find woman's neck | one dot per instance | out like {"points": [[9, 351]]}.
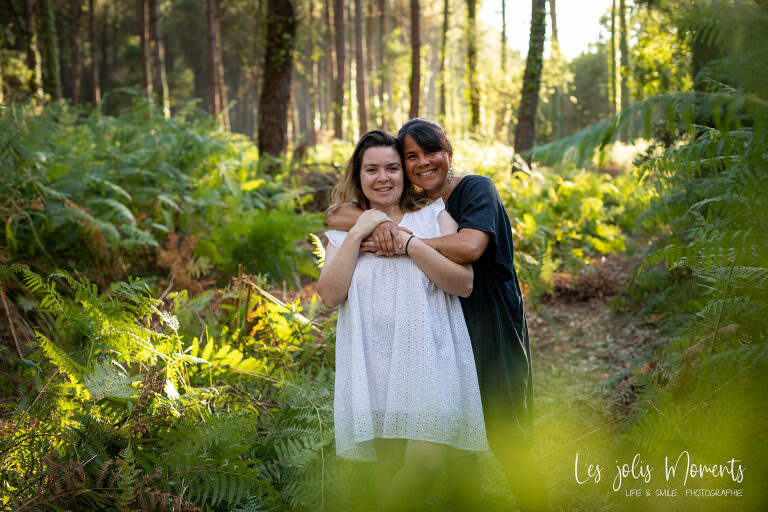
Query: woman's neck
{"points": [[445, 191], [394, 211]]}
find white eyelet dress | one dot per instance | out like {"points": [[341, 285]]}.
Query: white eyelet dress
{"points": [[404, 362]]}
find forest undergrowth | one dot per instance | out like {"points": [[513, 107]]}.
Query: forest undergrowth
{"points": [[163, 348]]}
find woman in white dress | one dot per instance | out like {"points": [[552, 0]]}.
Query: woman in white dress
{"points": [[406, 392]]}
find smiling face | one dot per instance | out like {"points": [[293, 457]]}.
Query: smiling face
{"points": [[426, 169], [381, 177]]}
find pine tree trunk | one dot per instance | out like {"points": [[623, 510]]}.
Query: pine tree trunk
{"points": [[553, 19], [502, 112], [95, 81], [474, 90], [624, 48], [161, 82], [441, 114], [214, 97], [525, 133], [381, 43], [107, 43], [142, 7], [276, 88], [50, 50], [74, 51], [559, 99], [362, 101], [349, 45], [312, 89], [338, 96], [613, 58], [221, 85], [415, 59], [504, 37], [33, 51], [330, 89], [210, 32], [370, 59]]}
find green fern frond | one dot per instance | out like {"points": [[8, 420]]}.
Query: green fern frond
{"points": [[319, 250], [60, 358], [107, 381]]}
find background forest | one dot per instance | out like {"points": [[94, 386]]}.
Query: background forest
{"points": [[164, 166]]}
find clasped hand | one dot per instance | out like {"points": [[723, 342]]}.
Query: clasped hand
{"points": [[381, 236]]}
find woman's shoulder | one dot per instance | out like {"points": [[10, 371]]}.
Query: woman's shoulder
{"points": [[473, 187], [336, 236], [476, 182]]}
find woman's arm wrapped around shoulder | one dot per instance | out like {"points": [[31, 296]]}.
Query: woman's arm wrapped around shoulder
{"points": [[453, 278]]}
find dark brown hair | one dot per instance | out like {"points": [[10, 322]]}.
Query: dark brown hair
{"points": [[349, 188], [427, 134]]}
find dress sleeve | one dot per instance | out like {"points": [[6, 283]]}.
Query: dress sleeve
{"points": [[482, 209], [336, 237]]}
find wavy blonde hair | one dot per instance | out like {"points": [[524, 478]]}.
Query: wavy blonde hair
{"points": [[349, 188]]}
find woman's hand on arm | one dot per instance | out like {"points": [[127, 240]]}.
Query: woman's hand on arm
{"points": [[382, 240], [336, 276], [448, 276]]}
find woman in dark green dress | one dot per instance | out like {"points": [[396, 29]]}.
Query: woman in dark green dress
{"points": [[494, 312]]}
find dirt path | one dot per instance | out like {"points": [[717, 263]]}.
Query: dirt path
{"points": [[586, 357]]}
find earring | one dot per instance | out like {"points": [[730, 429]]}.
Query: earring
{"points": [[450, 174]]}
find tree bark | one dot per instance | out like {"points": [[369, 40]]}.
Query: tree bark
{"points": [[501, 114], [525, 133], [95, 79], [312, 89], [214, 107], [107, 43], [50, 47], [441, 113], [415, 59], [349, 45], [474, 90], [504, 37], [362, 101], [33, 51], [559, 99], [330, 87], [221, 85], [276, 89], [613, 58], [381, 44], [161, 82], [553, 20], [338, 97], [370, 58], [74, 50], [624, 48], [216, 93], [324, 88], [142, 7]]}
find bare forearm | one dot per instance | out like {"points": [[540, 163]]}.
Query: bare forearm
{"points": [[342, 217], [448, 276], [456, 247], [336, 276]]}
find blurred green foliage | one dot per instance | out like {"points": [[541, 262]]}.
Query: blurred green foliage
{"points": [[88, 191]]}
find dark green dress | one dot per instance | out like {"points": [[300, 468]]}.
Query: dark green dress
{"points": [[494, 313]]}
